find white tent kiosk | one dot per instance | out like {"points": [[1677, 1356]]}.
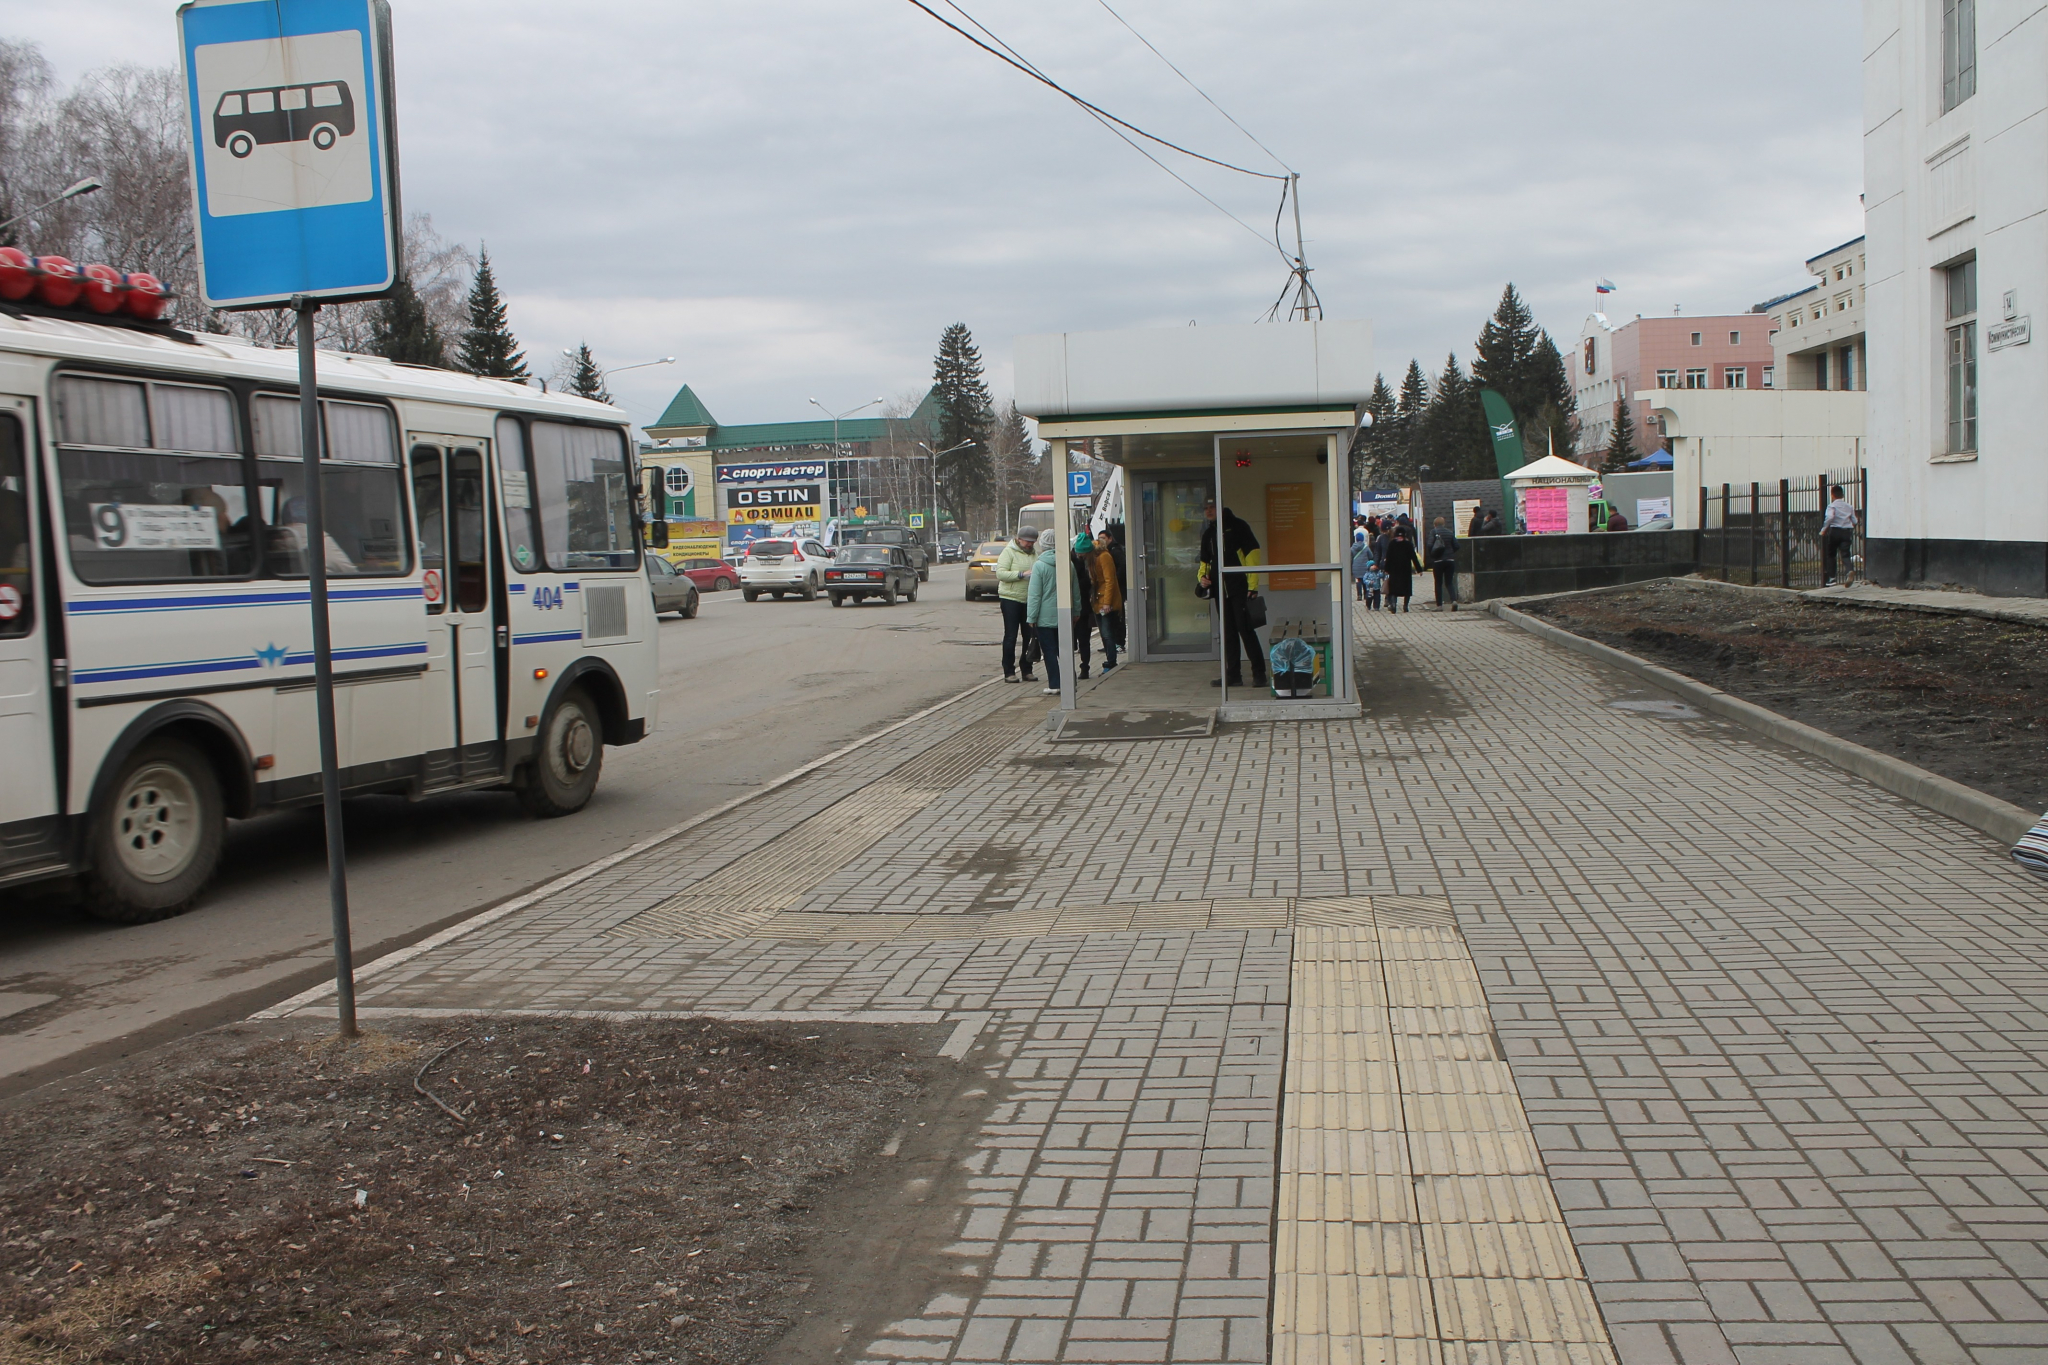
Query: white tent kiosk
{"points": [[1259, 418], [1552, 494]]}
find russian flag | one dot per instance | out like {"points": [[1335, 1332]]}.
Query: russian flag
{"points": [[1603, 286]]}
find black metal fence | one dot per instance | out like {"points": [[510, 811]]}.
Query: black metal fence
{"points": [[1769, 533]]}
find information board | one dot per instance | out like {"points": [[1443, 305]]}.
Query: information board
{"points": [[1290, 533], [1547, 510]]}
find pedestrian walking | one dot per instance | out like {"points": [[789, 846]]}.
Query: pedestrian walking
{"points": [[1042, 612], [1240, 637], [1443, 563], [1084, 600], [1361, 562], [1013, 586], [1837, 534], [1109, 599], [1399, 564]]}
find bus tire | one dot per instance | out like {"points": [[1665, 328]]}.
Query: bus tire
{"points": [[324, 136], [564, 773], [240, 145], [155, 840]]}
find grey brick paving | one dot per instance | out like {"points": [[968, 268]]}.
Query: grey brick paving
{"points": [[1780, 1034]]}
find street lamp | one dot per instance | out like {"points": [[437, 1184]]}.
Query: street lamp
{"points": [[621, 369], [85, 186], [836, 416], [933, 456]]}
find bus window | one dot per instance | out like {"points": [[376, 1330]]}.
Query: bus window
{"points": [[230, 106], [17, 601], [294, 98], [426, 501], [326, 96], [515, 481], [580, 487], [262, 101], [466, 514], [360, 481], [151, 503]]}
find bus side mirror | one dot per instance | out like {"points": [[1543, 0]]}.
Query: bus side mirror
{"points": [[657, 533]]}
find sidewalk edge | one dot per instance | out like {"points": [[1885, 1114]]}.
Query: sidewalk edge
{"points": [[567, 879], [2001, 820]]}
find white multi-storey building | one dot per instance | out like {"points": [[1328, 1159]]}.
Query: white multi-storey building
{"points": [[1955, 165], [1817, 334]]}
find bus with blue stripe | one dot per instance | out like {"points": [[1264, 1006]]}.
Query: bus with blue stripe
{"points": [[484, 544]]}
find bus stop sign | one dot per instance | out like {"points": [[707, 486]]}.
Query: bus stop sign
{"points": [[294, 159]]}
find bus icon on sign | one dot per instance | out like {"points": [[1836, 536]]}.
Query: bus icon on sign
{"points": [[321, 113]]}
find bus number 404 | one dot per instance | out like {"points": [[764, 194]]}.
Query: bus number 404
{"points": [[547, 599]]}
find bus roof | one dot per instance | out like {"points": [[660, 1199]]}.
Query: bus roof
{"points": [[211, 355]]}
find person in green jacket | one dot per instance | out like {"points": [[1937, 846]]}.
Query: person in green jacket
{"points": [[1041, 609], [1013, 585]]}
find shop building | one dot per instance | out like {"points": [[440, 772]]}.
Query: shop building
{"points": [[1255, 419], [1729, 351]]}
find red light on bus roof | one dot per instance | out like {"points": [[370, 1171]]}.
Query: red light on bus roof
{"points": [[57, 281], [15, 280], [102, 287], [145, 298]]}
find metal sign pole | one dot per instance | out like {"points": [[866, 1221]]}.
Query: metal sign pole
{"points": [[323, 672]]}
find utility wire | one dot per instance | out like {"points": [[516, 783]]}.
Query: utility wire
{"points": [[1196, 88], [1032, 71]]}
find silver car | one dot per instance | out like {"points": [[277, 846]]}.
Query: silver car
{"points": [[672, 591]]}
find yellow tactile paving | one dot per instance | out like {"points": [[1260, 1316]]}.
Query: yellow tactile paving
{"points": [[1415, 1222]]}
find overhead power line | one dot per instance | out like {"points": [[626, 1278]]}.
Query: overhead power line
{"points": [[1196, 88]]}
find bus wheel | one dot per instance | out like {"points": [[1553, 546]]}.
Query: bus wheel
{"points": [[240, 145], [563, 774], [323, 136], [156, 839]]}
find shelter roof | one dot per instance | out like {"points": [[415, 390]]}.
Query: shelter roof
{"points": [[1552, 467]]}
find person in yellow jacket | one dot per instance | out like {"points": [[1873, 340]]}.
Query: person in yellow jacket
{"points": [[1109, 599], [1013, 586]]}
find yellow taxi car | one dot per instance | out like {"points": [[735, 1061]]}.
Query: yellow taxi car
{"points": [[981, 569]]}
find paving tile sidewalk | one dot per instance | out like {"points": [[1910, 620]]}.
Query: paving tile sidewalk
{"points": [[1777, 1034]]}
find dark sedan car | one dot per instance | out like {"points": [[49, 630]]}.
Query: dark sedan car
{"points": [[860, 571], [672, 591]]}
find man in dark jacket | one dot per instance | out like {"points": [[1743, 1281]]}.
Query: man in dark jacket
{"points": [[1238, 541], [1442, 555]]}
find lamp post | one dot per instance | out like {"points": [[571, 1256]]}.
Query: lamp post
{"points": [[933, 456], [836, 416], [85, 186]]}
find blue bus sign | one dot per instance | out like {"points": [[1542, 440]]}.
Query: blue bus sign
{"points": [[1080, 483], [294, 162]]}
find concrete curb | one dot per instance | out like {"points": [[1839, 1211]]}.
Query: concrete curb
{"points": [[2001, 820], [570, 878]]}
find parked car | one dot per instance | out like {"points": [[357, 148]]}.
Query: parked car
{"points": [[859, 572], [905, 539], [784, 566], [981, 569], [672, 591], [712, 575], [952, 547]]}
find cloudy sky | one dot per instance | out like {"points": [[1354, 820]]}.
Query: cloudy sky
{"points": [[794, 197]]}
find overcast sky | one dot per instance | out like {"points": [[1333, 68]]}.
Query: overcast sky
{"points": [[794, 197]]}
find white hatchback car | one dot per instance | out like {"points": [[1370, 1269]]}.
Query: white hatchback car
{"points": [[784, 566]]}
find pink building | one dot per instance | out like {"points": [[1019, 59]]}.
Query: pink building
{"points": [[1730, 352]]}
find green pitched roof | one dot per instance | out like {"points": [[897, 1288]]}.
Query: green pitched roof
{"points": [[685, 410]]}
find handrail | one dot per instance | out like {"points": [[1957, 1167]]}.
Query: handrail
{"points": [[1285, 568]]}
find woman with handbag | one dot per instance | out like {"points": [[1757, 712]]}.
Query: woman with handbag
{"points": [[1240, 606], [1400, 564]]}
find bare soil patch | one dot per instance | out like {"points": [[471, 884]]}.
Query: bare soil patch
{"points": [[1962, 696], [676, 1190]]}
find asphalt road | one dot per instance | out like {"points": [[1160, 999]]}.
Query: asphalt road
{"points": [[749, 691]]}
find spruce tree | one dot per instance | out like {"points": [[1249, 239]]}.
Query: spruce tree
{"points": [[1621, 445], [488, 347], [1396, 459], [1455, 442], [1381, 407], [1557, 405], [401, 329], [966, 416], [1505, 358], [585, 379]]}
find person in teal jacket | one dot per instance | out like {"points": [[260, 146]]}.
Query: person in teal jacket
{"points": [[1041, 609]]}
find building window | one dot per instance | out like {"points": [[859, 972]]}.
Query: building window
{"points": [[1770, 377], [1820, 309], [1820, 370], [1962, 357], [1695, 338], [1735, 377], [1792, 321], [1842, 303], [1667, 379], [1696, 379], [1848, 369], [1958, 53], [1735, 338]]}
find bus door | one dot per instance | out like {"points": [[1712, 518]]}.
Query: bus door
{"points": [[29, 818], [459, 729]]}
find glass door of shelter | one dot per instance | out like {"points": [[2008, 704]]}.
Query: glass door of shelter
{"points": [[1178, 623]]}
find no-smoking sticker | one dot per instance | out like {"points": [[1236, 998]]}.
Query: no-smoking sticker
{"points": [[10, 601], [430, 585]]}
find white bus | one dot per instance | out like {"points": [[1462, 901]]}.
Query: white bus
{"points": [[492, 621]]}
